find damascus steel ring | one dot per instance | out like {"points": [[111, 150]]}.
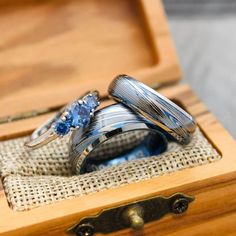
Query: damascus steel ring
{"points": [[73, 116], [107, 123], [155, 107]]}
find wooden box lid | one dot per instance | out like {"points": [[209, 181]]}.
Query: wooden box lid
{"points": [[53, 51]]}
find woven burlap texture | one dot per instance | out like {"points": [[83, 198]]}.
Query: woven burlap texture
{"points": [[43, 176]]}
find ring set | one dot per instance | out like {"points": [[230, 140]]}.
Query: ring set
{"points": [[139, 109]]}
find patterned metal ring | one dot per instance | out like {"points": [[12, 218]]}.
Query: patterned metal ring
{"points": [[155, 107], [108, 123]]}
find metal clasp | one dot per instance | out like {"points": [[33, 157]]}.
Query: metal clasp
{"points": [[133, 215]]}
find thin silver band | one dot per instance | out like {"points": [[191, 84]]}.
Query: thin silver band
{"points": [[155, 107], [46, 132], [107, 123]]}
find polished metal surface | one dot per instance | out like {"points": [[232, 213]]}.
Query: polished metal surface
{"points": [[133, 215], [107, 123], [153, 106], [46, 132]]}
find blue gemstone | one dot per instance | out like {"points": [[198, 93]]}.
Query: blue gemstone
{"points": [[61, 127], [91, 102], [79, 115], [74, 119], [84, 114]]}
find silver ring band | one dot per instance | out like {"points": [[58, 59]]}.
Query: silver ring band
{"points": [[153, 106], [106, 124], [73, 116]]}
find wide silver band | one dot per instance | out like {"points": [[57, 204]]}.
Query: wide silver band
{"points": [[46, 132], [106, 124], [155, 107]]}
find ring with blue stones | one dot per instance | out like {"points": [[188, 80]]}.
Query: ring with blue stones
{"points": [[109, 123], [71, 117], [158, 109]]}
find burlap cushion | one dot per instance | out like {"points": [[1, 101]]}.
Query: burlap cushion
{"points": [[44, 176]]}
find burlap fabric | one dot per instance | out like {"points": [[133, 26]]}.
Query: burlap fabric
{"points": [[44, 176]]}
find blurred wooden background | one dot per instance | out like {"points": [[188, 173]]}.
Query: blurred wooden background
{"points": [[205, 37]]}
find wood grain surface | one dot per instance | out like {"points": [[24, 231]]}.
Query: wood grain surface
{"points": [[53, 51]]}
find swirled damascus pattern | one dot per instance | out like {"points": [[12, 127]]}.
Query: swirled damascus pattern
{"points": [[153, 106], [107, 123]]}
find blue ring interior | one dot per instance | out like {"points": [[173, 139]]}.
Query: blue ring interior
{"points": [[153, 144]]}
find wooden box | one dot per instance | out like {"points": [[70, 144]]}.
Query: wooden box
{"points": [[52, 51]]}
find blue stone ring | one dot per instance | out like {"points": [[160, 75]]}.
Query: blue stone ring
{"points": [[73, 116]]}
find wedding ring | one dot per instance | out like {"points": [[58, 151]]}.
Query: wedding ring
{"points": [[73, 116], [108, 123], [153, 106]]}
